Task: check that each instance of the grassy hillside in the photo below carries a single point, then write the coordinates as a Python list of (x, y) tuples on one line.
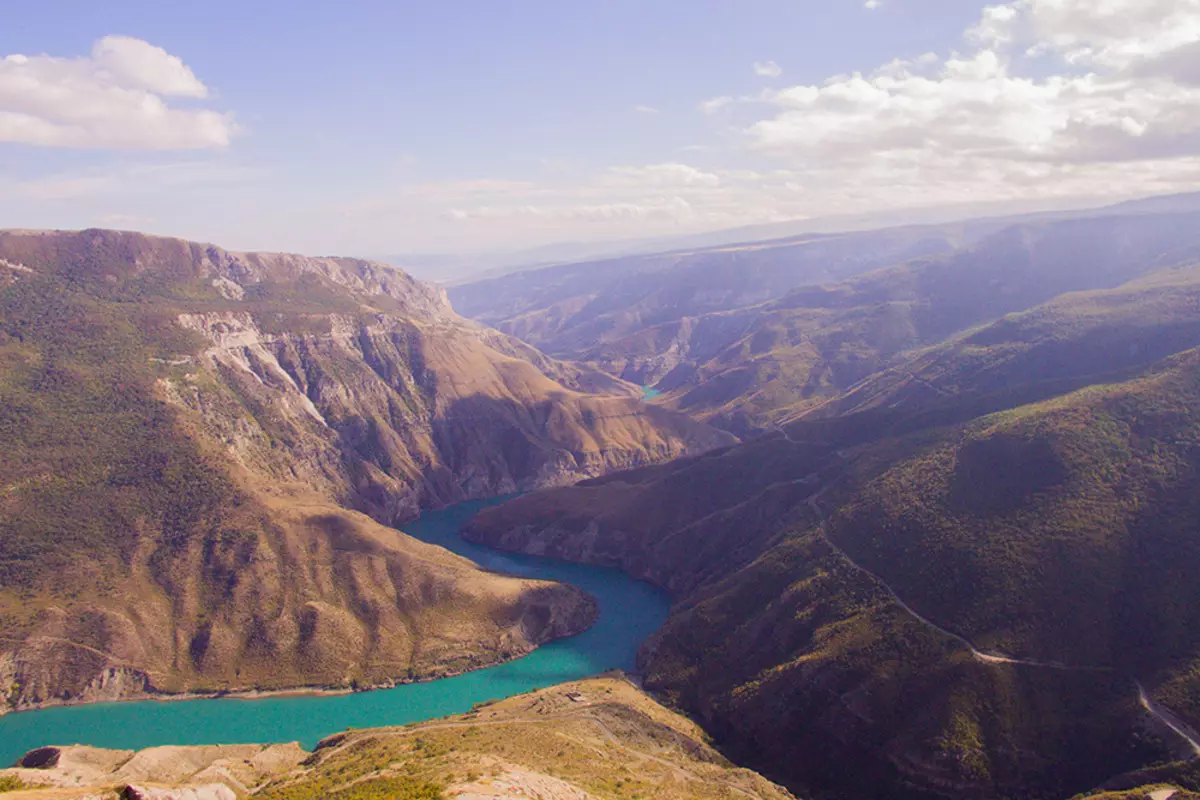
[(1059, 532), (598, 738), (185, 434), (1075, 339)]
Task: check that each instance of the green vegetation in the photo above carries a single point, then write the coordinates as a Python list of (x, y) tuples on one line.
[(1029, 521), (1062, 531), (92, 456), (11, 783), (371, 789), (185, 429)]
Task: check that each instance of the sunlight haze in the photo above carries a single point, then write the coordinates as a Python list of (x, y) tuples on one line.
[(466, 127)]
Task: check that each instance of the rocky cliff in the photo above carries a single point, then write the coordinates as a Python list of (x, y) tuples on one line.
[(190, 432)]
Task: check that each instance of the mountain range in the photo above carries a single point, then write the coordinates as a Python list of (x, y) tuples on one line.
[(925, 500), (747, 337)]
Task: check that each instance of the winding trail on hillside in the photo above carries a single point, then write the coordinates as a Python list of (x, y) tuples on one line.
[(1160, 713), (989, 658), (1173, 722)]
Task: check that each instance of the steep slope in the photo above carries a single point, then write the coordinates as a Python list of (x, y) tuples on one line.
[(184, 431), (960, 611), (1061, 531), (598, 738), (1075, 340), (789, 356)]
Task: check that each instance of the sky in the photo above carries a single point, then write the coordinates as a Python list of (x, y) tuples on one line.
[(462, 126)]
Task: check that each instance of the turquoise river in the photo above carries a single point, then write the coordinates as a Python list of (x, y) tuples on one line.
[(629, 612)]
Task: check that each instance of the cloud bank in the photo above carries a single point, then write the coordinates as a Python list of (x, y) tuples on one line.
[(114, 98), (1053, 97)]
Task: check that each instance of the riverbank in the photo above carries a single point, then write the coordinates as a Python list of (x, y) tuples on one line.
[(263, 694), (629, 611)]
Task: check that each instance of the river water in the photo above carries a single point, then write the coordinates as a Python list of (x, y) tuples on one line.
[(630, 611)]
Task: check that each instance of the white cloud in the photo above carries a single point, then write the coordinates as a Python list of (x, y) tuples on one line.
[(1122, 106), (137, 64), (646, 109), (1112, 34), (113, 98), (715, 104), (660, 175), (767, 69), (873, 4), (1050, 103)]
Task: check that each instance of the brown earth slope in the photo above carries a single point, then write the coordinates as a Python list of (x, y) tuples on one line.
[(185, 430)]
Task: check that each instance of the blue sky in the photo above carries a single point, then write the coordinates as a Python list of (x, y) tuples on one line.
[(372, 127)]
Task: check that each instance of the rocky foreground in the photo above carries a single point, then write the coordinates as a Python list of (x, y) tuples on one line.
[(599, 738)]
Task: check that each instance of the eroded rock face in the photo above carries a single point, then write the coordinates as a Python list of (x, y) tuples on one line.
[(41, 758), (390, 415), (357, 608), (515, 783)]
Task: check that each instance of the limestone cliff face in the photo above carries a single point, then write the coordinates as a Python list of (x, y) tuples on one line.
[(390, 415), (191, 432)]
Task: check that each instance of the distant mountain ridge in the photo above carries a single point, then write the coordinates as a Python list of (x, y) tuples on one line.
[(791, 355), (707, 325), (465, 268)]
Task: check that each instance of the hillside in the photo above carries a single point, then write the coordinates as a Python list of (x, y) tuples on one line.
[(189, 434), (874, 604), (795, 353), (599, 738), (746, 338), (1074, 340), (571, 310)]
